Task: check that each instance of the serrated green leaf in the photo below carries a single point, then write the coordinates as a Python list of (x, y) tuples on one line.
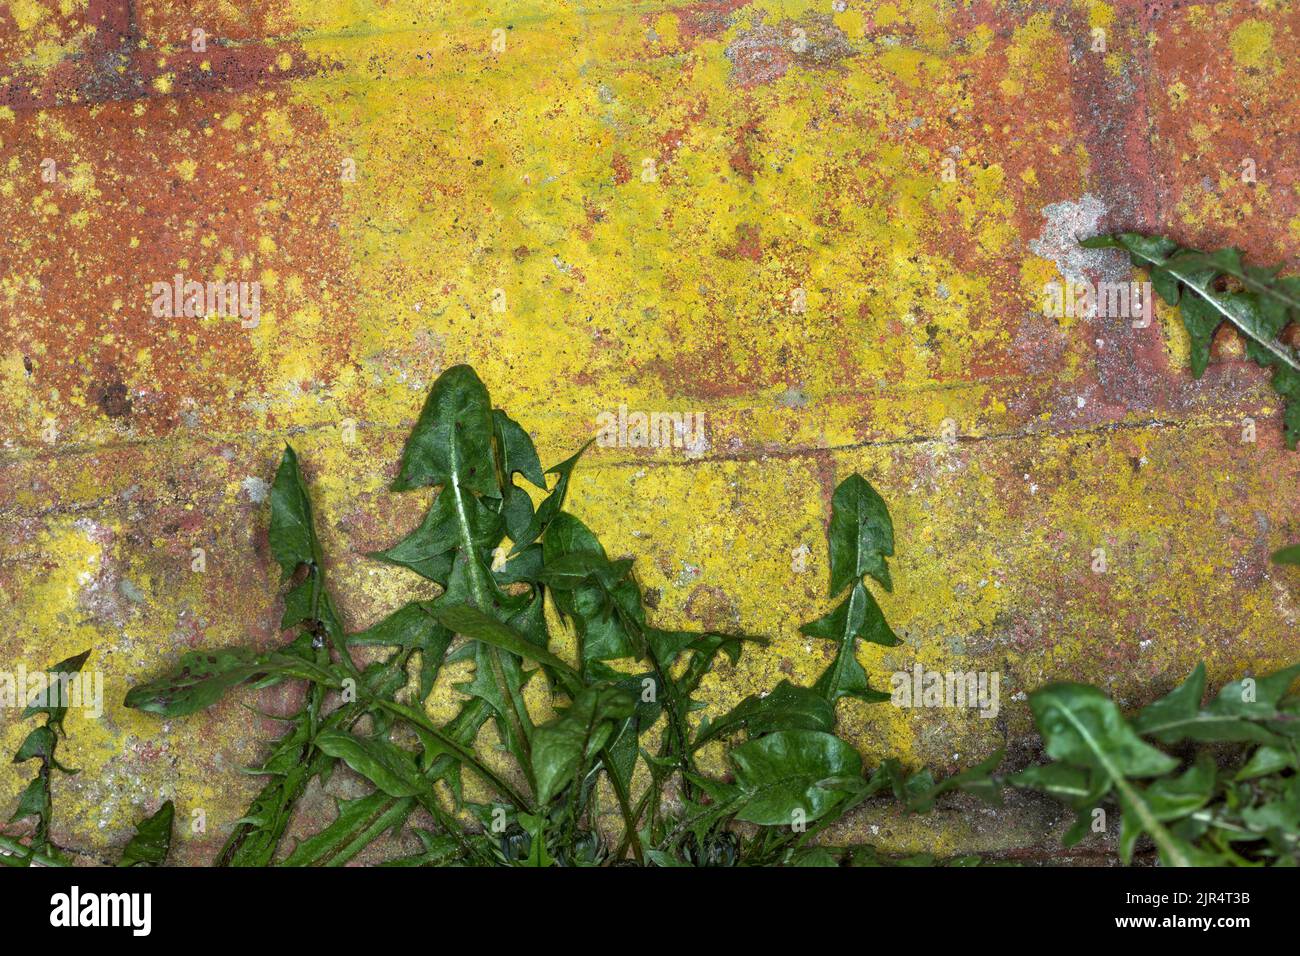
[(357, 823), (861, 534), (452, 437), (471, 622), (605, 619), (1189, 279), (1230, 717), (34, 801), (387, 766), (552, 505), (781, 774), (40, 743), (57, 677), (204, 676), (1168, 799), (152, 840), (575, 736), (429, 549), (516, 450), (1082, 726), (857, 615), (787, 707)]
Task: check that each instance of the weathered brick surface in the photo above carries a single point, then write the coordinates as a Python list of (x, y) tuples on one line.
[(656, 191)]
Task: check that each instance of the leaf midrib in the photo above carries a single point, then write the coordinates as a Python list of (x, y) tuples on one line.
[(1282, 354)]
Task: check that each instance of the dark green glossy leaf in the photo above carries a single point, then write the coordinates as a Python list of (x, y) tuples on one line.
[(34, 801), (861, 534), (787, 707), (152, 839), (453, 436), (570, 571), (471, 622), (357, 824), (428, 549), (40, 743), (204, 676), (58, 679), (606, 619), (553, 503), (409, 626), (516, 450), (574, 737), (1260, 312), (292, 534), (781, 775), (388, 767)]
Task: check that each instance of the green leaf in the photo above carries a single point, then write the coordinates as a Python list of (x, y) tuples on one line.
[(858, 616), (292, 535), (409, 626), (535, 825), (40, 743), (568, 572), (861, 534), (817, 856), (551, 507), (452, 437), (783, 773), (429, 548), (1168, 799), (1190, 279), (1266, 761), (977, 780), (861, 537), (1288, 555), (516, 450), (499, 680), (152, 839), (471, 622), (573, 738), (1176, 707), (204, 676), (438, 851), (357, 824), (787, 707), (1082, 726), (34, 801), (1231, 717), (605, 618), (516, 512), (58, 676), (1065, 783), (388, 767)]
